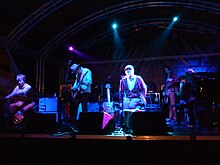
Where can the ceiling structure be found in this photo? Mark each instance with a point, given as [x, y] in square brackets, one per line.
[40, 32]
[45, 28]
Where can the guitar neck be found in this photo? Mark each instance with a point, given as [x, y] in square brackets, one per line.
[108, 96]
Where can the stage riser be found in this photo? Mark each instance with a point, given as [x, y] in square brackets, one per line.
[99, 152]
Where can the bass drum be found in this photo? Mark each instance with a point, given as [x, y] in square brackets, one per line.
[109, 108]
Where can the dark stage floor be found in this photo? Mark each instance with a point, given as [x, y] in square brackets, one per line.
[170, 129]
[178, 144]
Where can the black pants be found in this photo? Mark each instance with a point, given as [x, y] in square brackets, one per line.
[191, 113]
[81, 98]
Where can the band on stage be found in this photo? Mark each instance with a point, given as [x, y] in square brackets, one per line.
[134, 95]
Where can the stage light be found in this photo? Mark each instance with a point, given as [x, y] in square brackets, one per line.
[114, 25]
[70, 48]
[175, 19]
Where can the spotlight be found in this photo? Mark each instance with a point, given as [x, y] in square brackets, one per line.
[114, 25]
[175, 19]
[71, 48]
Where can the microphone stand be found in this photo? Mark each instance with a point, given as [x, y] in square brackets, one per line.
[67, 72]
[67, 93]
[122, 109]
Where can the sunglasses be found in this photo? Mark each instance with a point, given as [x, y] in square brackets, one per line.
[128, 69]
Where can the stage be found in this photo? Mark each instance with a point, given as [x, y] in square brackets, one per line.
[180, 145]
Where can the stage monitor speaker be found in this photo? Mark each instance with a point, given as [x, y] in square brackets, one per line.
[95, 123]
[41, 123]
[149, 123]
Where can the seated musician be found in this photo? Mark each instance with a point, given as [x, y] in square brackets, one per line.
[20, 100]
[132, 89]
[132, 92]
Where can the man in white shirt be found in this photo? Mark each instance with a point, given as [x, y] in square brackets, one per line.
[81, 90]
[20, 98]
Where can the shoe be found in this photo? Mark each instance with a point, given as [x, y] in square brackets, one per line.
[168, 120]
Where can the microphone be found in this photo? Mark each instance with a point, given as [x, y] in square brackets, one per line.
[123, 76]
[69, 61]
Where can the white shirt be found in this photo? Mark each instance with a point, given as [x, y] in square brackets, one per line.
[131, 82]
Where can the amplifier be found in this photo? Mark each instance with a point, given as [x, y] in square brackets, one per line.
[92, 107]
[153, 107]
[48, 104]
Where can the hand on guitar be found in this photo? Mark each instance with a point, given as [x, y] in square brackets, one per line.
[75, 93]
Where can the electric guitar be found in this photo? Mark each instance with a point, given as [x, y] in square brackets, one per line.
[156, 98]
[79, 87]
[75, 93]
[108, 106]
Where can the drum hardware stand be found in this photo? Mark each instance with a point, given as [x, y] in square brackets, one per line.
[122, 112]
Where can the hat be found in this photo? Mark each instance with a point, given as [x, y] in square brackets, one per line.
[74, 67]
[129, 66]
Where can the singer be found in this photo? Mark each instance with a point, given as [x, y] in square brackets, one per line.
[132, 89]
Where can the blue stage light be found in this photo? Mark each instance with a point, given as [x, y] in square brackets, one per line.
[114, 25]
[175, 19]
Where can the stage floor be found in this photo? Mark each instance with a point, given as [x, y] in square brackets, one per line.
[178, 145]
[173, 131]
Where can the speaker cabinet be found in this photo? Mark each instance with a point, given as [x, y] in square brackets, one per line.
[95, 123]
[48, 104]
[41, 123]
[149, 123]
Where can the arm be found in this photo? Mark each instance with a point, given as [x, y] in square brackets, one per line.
[87, 80]
[18, 92]
[12, 93]
[143, 92]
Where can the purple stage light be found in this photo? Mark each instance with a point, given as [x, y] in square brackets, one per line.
[71, 48]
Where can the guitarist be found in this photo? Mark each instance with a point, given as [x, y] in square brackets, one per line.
[20, 100]
[81, 90]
